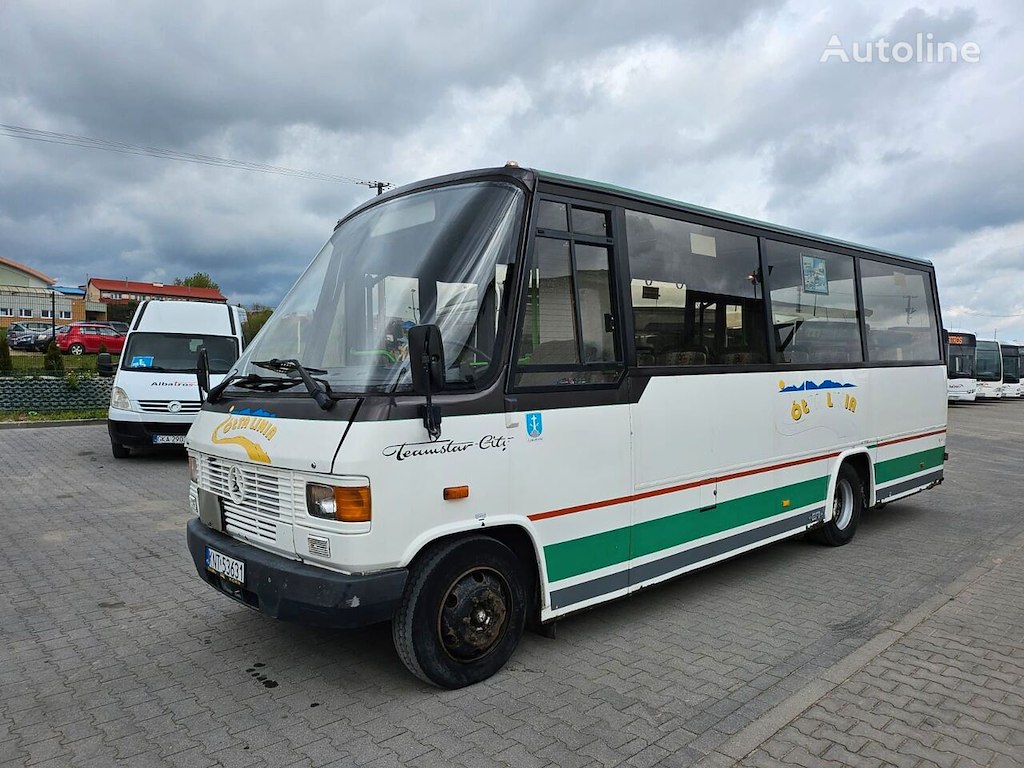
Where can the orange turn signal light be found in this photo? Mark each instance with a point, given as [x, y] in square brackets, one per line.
[352, 504]
[456, 492]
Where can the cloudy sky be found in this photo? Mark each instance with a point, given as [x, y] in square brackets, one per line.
[725, 104]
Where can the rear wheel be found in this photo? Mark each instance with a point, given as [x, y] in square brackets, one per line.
[76, 349]
[120, 451]
[847, 504]
[462, 613]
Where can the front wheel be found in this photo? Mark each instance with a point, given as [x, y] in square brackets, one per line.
[462, 613]
[76, 349]
[120, 451]
[847, 504]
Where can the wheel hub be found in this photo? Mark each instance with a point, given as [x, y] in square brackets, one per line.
[474, 614]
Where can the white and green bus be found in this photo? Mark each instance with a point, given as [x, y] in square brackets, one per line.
[503, 396]
[1011, 354]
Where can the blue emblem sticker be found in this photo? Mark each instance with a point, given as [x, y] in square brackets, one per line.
[142, 361]
[534, 424]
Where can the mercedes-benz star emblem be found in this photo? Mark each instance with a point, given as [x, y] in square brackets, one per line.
[236, 485]
[174, 406]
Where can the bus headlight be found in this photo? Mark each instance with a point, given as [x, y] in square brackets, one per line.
[193, 469]
[341, 503]
[119, 399]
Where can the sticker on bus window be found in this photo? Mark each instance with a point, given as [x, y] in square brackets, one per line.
[141, 361]
[815, 276]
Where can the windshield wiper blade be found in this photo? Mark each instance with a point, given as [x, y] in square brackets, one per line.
[318, 390]
[251, 381]
[287, 366]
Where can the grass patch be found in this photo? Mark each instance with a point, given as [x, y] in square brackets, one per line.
[63, 415]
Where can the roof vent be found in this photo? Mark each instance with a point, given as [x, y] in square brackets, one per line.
[158, 285]
[511, 164]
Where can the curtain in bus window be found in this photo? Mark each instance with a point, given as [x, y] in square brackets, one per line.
[900, 313]
[549, 335]
[814, 305]
[696, 293]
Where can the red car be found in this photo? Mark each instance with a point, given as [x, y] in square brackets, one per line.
[87, 337]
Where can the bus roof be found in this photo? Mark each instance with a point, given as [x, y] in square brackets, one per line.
[528, 176]
[688, 207]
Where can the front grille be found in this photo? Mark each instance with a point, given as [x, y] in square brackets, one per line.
[268, 496]
[160, 406]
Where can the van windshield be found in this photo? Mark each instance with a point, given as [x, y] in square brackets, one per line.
[440, 256]
[177, 352]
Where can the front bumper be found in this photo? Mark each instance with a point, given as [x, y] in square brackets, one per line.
[293, 591]
[140, 434]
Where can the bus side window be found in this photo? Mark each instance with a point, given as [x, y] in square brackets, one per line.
[904, 324]
[694, 294]
[568, 332]
[814, 305]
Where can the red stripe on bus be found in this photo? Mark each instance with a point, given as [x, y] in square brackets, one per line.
[697, 483]
[676, 488]
[912, 437]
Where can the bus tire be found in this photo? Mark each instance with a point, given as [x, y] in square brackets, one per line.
[120, 451]
[847, 504]
[462, 613]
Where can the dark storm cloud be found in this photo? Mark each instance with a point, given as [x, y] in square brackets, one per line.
[723, 104]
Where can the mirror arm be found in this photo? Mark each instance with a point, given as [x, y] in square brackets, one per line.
[431, 412]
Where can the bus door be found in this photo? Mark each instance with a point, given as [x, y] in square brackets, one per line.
[566, 409]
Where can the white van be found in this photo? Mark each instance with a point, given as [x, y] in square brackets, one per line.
[155, 397]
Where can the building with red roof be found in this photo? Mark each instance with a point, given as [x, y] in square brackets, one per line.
[117, 291]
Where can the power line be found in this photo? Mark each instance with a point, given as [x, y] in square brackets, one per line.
[68, 139]
[980, 314]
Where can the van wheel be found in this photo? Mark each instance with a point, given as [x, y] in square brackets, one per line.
[847, 504]
[76, 349]
[120, 451]
[462, 613]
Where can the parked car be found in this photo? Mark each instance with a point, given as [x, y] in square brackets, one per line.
[42, 340]
[117, 325]
[87, 337]
[21, 335]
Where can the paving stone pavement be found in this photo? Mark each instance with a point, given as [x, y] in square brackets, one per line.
[904, 648]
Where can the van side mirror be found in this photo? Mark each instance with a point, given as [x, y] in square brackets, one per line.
[426, 361]
[104, 365]
[426, 358]
[203, 373]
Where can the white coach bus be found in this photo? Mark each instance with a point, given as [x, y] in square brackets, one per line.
[988, 368]
[961, 350]
[507, 395]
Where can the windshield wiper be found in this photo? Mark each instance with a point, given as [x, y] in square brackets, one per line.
[251, 381]
[319, 390]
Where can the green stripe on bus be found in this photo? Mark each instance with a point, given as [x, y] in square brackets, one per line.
[893, 469]
[578, 556]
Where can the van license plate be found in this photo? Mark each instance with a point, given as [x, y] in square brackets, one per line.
[169, 439]
[231, 569]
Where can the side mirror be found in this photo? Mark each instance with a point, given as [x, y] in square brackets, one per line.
[203, 373]
[104, 365]
[426, 358]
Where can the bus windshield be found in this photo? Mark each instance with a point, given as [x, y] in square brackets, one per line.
[440, 256]
[960, 355]
[1011, 364]
[989, 361]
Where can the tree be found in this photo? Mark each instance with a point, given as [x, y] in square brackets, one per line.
[53, 361]
[256, 316]
[122, 311]
[198, 280]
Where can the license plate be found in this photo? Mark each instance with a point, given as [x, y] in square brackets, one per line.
[231, 569]
[169, 439]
